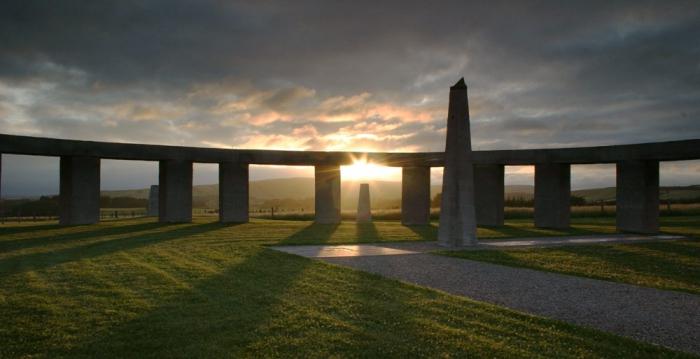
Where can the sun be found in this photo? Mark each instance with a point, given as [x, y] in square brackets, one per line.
[362, 170]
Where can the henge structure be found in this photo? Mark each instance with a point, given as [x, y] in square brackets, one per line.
[153, 199]
[637, 177]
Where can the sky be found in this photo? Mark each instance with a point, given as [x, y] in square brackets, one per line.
[360, 75]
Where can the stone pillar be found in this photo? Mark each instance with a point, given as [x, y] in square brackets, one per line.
[233, 192]
[153, 201]
[327, 183]
[489, 194]
[457, 215]
[175, 191]
[638, 196]
[364, 209]
[415, 196]
[79, 199]
[552, 195]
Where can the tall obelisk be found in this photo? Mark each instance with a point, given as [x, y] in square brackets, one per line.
[457, 215]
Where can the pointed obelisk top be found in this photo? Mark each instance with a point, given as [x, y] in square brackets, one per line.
[460, 85]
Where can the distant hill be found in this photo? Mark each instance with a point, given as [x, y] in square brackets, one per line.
[299, 192]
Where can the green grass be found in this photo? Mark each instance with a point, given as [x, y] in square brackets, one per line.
[135, 288]
[670, 265]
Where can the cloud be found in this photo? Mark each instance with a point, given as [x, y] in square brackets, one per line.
[363, 75]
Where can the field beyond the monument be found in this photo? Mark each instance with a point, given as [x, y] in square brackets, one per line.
[137, 288]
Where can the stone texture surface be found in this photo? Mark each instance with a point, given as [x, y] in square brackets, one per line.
[415, 196]
[638, 196]
[327, 185]
[79, 200]
[175, 191]
[552, 195]
[457, 214]
[233, 192]
[489, 194]
[153, 201]
[364, 210]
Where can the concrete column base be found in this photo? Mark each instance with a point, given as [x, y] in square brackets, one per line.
[327, 184]
[175, 191]
[489, 194]
[79, 200]
[153, 200]
[638, 196]
[415, 196]
[552, 195]
[233, 192]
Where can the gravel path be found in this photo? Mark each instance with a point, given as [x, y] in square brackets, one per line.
[666, 318]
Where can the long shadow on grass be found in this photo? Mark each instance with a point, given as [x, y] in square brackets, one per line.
[37, 261]
[314, 233]
[72, 235]
[224, 315]
[645, 264]
[367, 232]
[426, 232]
[510, 231]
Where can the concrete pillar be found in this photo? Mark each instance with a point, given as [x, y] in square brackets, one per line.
[233, 192]
[175, 191]
[638, 196]
[364, 209]
[415, 196]
[327, 183]
[457, 215]
[489, 194]
[152, 210]
[552, 195]
[79, 199]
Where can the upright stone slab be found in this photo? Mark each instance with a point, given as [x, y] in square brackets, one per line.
[552, 195]
[415, 196]
[152, 210]
[364, 210]
[638, 196]
[233, 192]
[457, 215]
[327, 183]
[79, 198]
[175, 191]
[489, 194]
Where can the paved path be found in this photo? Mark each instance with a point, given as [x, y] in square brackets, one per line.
[663, 317]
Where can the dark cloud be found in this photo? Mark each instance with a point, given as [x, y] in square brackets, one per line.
[303, 74]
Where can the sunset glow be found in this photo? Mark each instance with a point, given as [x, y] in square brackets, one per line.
[363, 170]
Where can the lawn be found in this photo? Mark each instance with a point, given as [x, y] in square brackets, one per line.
[136, 288]
[670, 265]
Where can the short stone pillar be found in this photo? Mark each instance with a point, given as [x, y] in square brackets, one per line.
[489, 194]
[233, 192]
[152, 210]
[415, 196]
[457, 215]
[552, 195]
[175, 191]
[638, 196]
[327, 185]
[364, 209]
[79, 198]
